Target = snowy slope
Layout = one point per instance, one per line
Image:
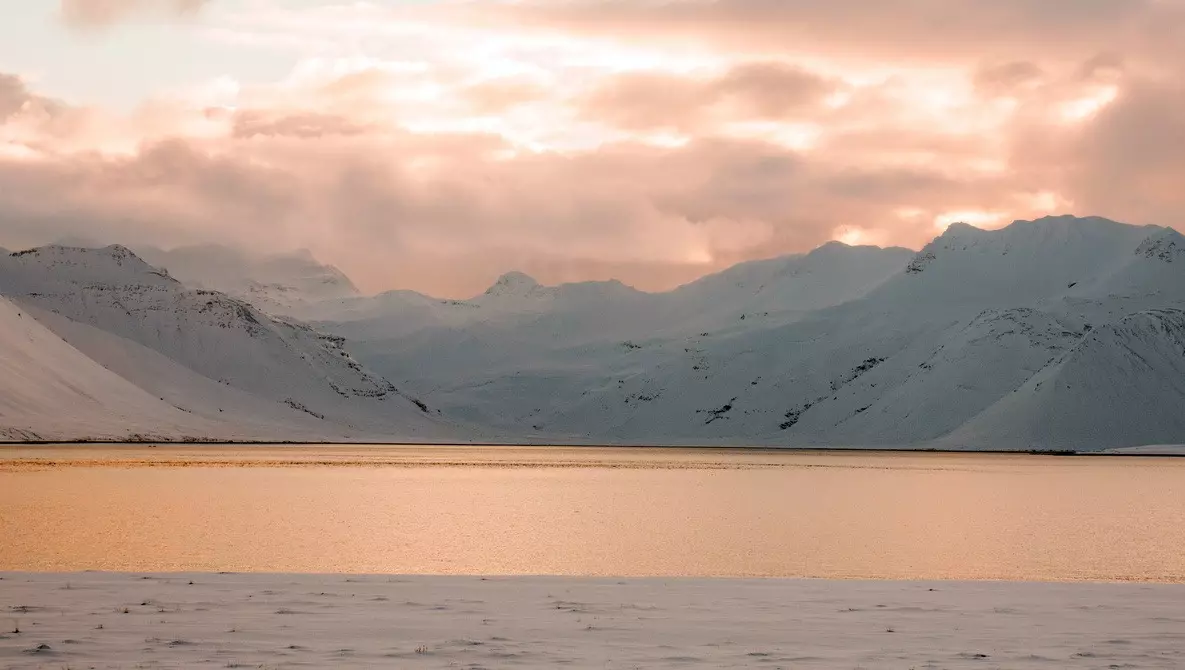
(51, 390)
(909, 399)
(830, 275)
(244, 414)
(1122, 386)
(222, 339)
(1153, 272)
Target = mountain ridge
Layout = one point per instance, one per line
(100, 294)
(903, 361)
(1039, 334)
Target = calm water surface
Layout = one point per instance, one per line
(564, 511)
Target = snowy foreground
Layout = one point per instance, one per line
(100, 620)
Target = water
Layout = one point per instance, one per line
(562, 511)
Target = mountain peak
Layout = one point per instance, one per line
(595, 290)
(960, 229)
(121, 253)
(1066, 224)
(831, 245)
(110, 266)
(513, 283)
(1065, 219)
(826, 251)
(1046, 225)
(118, 253)
(834, 247)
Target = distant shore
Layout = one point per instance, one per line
(1161, 451)
(107, 620)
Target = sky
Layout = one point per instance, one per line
(435, 144)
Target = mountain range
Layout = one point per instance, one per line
(1061, 333)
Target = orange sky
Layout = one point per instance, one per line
(435, 145)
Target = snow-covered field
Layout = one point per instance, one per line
(101, 620)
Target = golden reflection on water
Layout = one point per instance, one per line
(592, 511)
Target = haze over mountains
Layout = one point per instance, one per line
(1061, 333)
(273, 282)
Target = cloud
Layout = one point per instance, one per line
(17, 100)
(1007, 78)
(13, 95)
(250, 124)
(96, 13)
(905, 30)
(748, 91)
(501, 94)
(1127, 162)
(429, 148)
(447, 212)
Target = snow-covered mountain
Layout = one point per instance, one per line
(1027, 262)
(554, 346)
(830, 275)
(1060, 333)
(840, 347)
(204, 353)
(276, 282)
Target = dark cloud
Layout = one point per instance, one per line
(770, 91)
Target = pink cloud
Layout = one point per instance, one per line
(571, 156)
(749, 91)
(903, 30)
(91, 13)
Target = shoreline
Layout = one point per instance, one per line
(666, 579)
(1150, 451)
(109, 620)
(59, 456)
